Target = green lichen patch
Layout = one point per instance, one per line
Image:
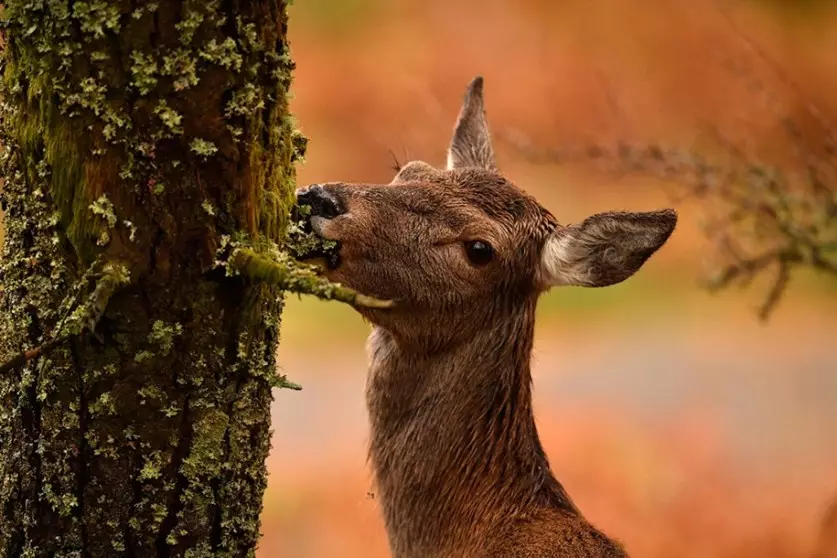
(103, 207)
(224, 54)
(170, 118)
(144, 72)
(152, 468)
(203, 147)
(163, 336)
(136, 136)
(206, 456)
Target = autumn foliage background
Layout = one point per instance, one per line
(678, 422)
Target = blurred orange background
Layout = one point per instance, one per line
(678, 423)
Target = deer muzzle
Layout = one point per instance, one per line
(315, 205)
(322, 202)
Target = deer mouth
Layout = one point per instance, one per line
(306, 244)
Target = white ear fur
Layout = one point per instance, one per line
(451, 161)
(559, 265)
(604, 249)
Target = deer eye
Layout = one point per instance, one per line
(479, 252)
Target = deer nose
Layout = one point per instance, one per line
(322, 202)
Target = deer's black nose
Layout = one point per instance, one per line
(322, 202)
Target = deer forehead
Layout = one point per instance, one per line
(461, 197)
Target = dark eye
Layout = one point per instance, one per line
(479, 252)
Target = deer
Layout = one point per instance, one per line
(464, 255)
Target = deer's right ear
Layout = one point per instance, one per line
(471, 143)
(604, 249)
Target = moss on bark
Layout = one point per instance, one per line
(142, 133)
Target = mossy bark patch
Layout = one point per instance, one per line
(142, 133)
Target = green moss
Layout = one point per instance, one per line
(53, 156)
(182, 67)
(296, 277)
(117, 190)
(103, 207)
(144, 72)
(203, 148)
(97, 17)
(301, 242)
(103, 406)
(152, 469)
(190, 23)
(170, 118)
(62, 503)
(163, 335)
(224, 54)
(207, 453)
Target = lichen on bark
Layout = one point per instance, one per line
(140, 134)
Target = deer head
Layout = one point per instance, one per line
(457, 247)
(465, 255)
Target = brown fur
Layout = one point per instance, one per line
(459, 468)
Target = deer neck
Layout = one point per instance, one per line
(453, 445)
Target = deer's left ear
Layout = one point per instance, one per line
(471, 143)
(604, 249)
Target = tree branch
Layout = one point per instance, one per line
(31, 354)
(85, 316)
(298, 278)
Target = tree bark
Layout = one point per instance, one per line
(140, 141)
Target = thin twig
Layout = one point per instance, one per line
(31, 354)
(291, 276)
(84, 317)
(780, 284)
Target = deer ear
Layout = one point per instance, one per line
(471, 143)
(604, 249)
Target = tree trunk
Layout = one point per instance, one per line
(141, 141)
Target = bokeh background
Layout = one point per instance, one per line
(678, 422)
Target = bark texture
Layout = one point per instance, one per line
(141, 140)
